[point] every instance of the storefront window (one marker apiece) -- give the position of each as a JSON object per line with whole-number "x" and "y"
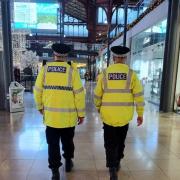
{"x": 1, "y": 37}
{"x": 177, "y": 94}
{"x": 147, "y": 59}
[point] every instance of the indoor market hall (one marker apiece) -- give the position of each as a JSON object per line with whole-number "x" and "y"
{"x": 89, "y": 90}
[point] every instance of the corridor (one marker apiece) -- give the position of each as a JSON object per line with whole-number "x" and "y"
{"x": 152, "y": 151}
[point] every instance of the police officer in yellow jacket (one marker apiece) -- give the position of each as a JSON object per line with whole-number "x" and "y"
{"x": 60, "y": 97}
{"x": 118, "y": 90}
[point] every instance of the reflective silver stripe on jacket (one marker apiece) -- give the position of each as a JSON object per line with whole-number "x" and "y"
{"x": 44, "y": 76}
{"x": 129, "y": 79}
{"x": 63, "y": 88}
{"x": 78, "y": 91}
{"x": 68, "y": 110}
{"x": 104, "y": 79}
{"x": 97, "y": 97}
{"x": 81, "y": 110}
{"x": 38, "y": 89}
{"x": 138, "y": 94}
{"x": 70, "y": 77}
{"x": 117, "y": 91}
{"x": 117, "y": 104}
{"x": 140, "y": 104}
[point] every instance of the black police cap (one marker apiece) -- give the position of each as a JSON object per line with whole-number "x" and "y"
{"x": 120, "y": 50}
{"x": 61, "y": 48}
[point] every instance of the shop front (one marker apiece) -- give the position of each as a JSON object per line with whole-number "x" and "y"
{"x": 147, "y": 55}
{"x": 177, "y": 92}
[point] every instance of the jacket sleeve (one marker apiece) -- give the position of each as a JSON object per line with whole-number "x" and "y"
{"x": 79, "y": 94}
{"x": 38, "y": 89}
{"x": 98, "y": 92}
{"x": 138, "y": 94}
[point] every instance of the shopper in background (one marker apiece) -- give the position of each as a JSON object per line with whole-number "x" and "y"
{"x": 17, "y": 74}
{"x": 118, "y": 88}
{"x": 86, "y": 76}
{"x": 60, "y": 98}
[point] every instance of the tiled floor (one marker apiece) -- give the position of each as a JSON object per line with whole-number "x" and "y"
{"x": 152, "y": 151}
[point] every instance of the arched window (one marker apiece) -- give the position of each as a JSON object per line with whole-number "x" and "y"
{"x": 85, "y": 31}
{"x": 132, "y": 15}
{"x": 102, "y": 16}
{"x": 74, "y": 27}
{"x": 119, "y": 13}
{"x": 66, "y": 30}
{"x": 71, "y": 30}
{"x": 81, "y": 32}
{"x": 76, "y": 30}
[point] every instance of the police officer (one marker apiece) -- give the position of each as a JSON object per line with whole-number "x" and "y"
{"x": 118, "y": 90}
{"x": 60, "y": 97}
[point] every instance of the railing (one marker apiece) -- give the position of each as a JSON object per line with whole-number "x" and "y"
{"x": 138, "y": 11}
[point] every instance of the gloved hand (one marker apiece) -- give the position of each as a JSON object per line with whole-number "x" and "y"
{"x": 80, "y": 120}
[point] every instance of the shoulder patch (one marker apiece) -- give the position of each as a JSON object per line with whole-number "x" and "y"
{"x": 117, "y": 76}
{"x": 59, "y": 69}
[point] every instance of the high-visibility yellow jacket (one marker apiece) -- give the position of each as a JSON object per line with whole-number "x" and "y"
{"x": 59, "y": 91}
{"x": 118, "y": 90}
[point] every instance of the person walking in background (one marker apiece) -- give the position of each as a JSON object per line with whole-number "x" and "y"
{"x": 60, "y": 98}
{"x": 118, "y": 88}
{"x": 17, "y": 74}
{"x": 86, "y": 76}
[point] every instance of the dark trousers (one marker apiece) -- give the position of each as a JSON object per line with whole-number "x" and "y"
{"x": 53, "y": 136}
{"x": 114, "y": 143}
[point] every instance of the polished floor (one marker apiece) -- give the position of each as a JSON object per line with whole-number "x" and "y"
{"x": 152, "y": 151}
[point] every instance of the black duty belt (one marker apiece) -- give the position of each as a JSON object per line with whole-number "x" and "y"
{"x": 63, "y": 88}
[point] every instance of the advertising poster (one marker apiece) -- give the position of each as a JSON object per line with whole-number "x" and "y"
{"x": 16, "y": 93}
